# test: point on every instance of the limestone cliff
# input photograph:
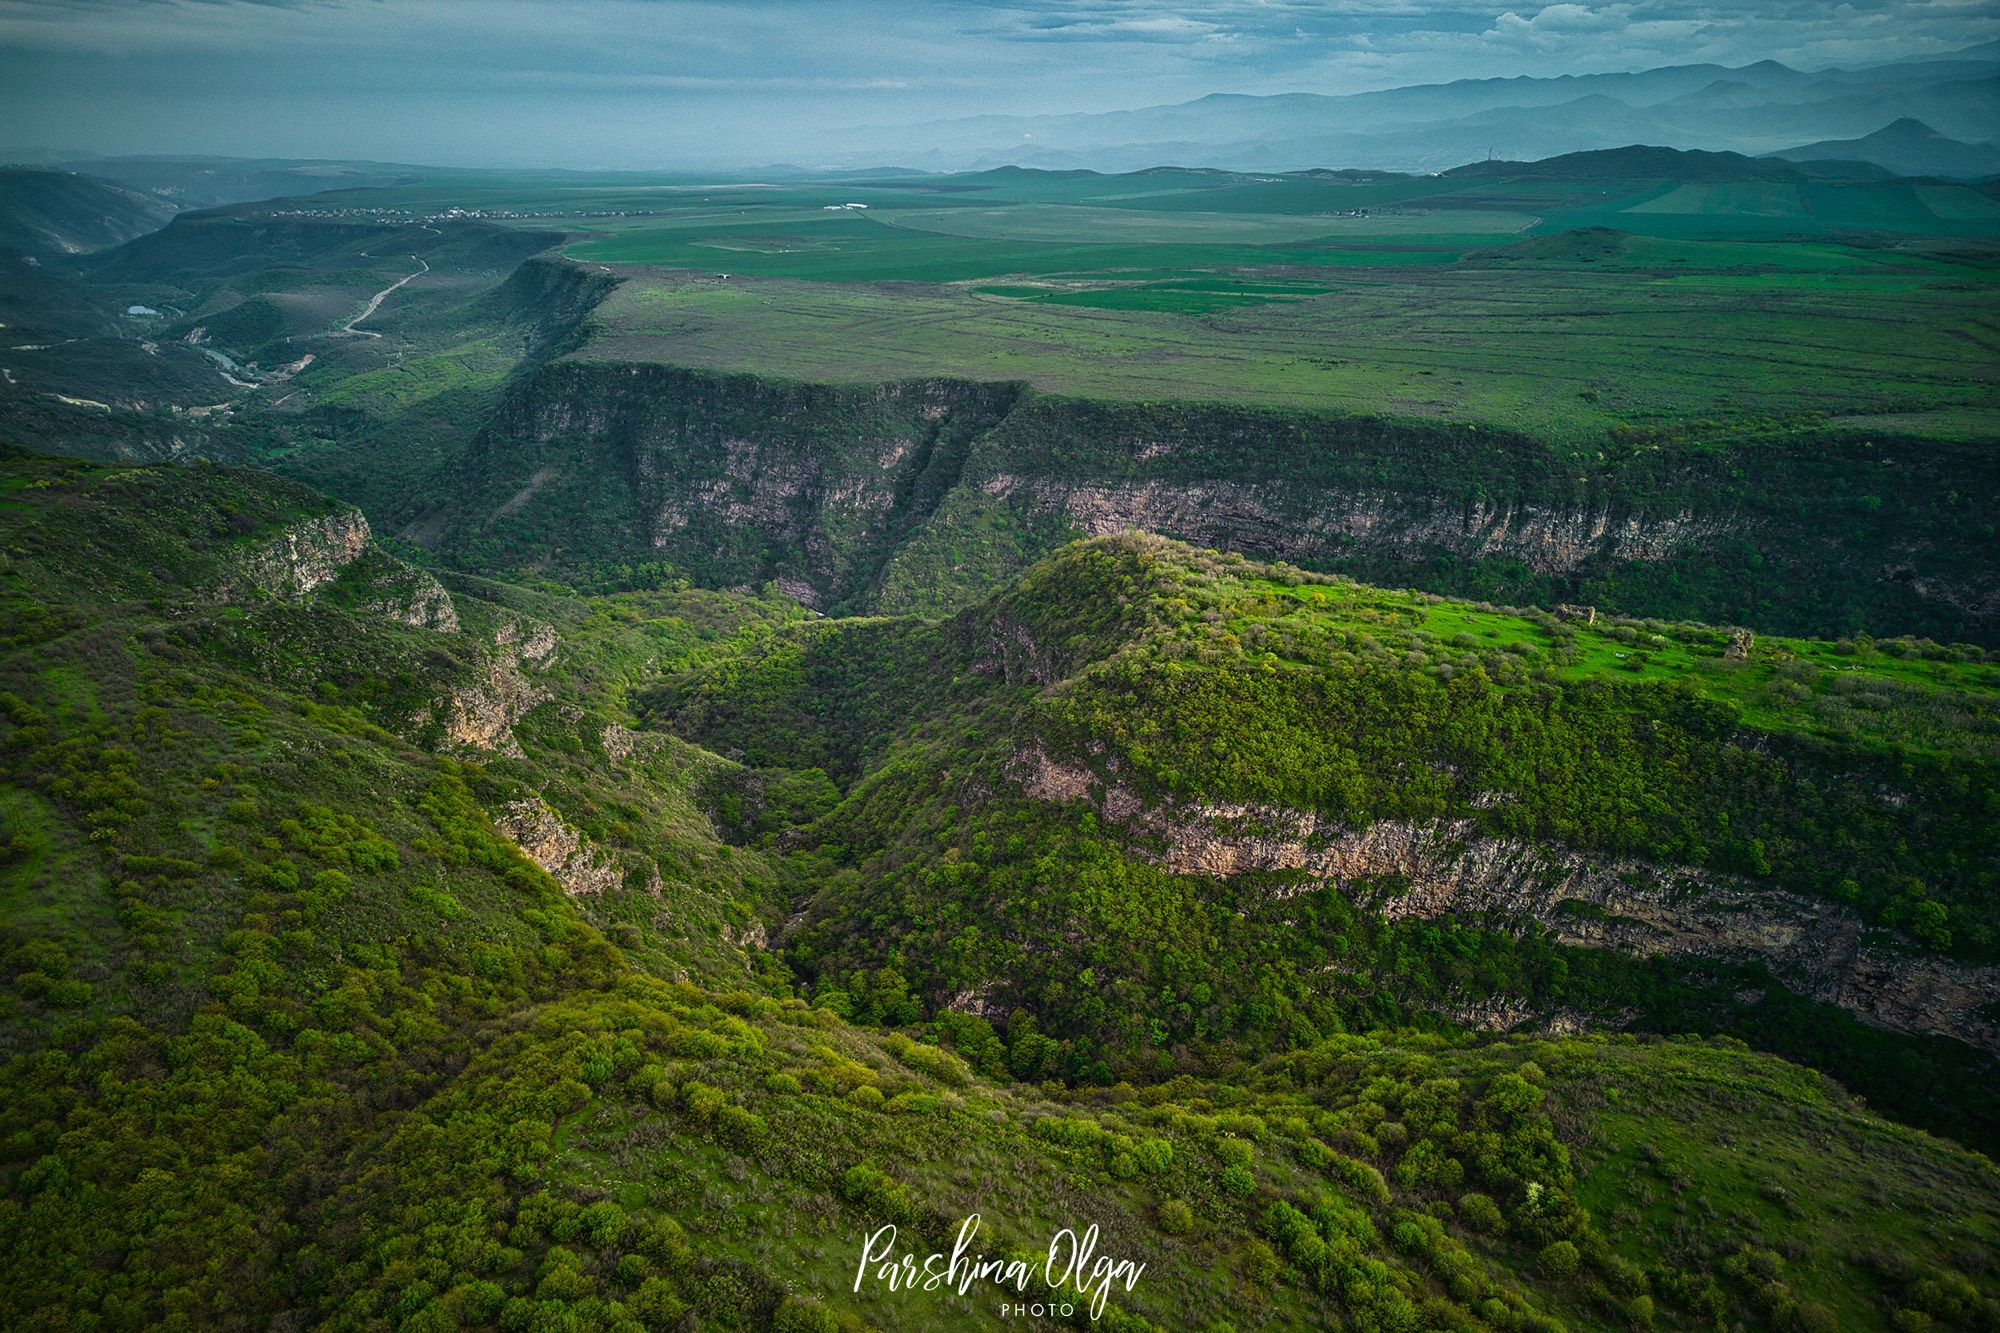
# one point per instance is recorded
(481, 714)
(923, 495)
(1274, 519)
(1448, 868)
(736, 481)
(333, 555)
(557, 848)
(306, 556)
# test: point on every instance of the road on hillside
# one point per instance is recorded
(375, 303)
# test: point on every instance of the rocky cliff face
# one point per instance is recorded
(481, 715)
(923, 495)
(733, 480)
(311, 555)
(1448, 868)
(306, 556)
(1276, 519)
(410, 596)
(559, 849)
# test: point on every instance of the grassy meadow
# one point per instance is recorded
(1565, 355)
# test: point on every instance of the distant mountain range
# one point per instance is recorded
(49, 213)
(1756, 109)
(210, 182)
(1930, 117)
(1909, 148)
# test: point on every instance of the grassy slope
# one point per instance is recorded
(1185, 680)
(295, 1036)
(1565, 357)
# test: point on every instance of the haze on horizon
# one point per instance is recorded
(662, 83)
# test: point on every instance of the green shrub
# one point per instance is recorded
(741, 1128)
(800, 1315)
(656, 1305)
(878, 1192)
(1625, 1278)
(1362, 1178)
(1559, 1259)
(1175, 1217)
(1235, 1152)
(1481, 1214)
(1259, 1264)
(939, 1064)
(703, 1102)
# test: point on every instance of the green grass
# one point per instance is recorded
(1565, 357)
(852, 249)
(480, 365)
(616, 201)
(1917, 697)
(1074, 224)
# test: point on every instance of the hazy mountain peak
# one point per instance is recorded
(1907, 146)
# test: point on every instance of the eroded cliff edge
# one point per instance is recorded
(919, 496)
(1434, 869)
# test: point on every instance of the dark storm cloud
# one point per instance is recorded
(646, 81)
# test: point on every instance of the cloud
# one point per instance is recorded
(451, 78)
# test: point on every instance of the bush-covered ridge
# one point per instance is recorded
(1193, 682)
(296, 1035)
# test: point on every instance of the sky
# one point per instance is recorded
(639, 83)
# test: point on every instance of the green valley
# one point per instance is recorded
(1420, 751)
(489, 1034)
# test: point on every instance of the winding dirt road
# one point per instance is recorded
(375, 303)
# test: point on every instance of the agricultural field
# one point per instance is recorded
(1562, 354)
(1423, 750)
(1562, 305)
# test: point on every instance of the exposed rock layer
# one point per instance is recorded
(1273, 519)
(1449, 868)
(557, 848)
(306, 556)
(923, 495)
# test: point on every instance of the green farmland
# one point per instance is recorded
(1566, 355)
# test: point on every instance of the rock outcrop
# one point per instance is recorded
(481, 715)
(731, 480)
(557, 848)
(1449, 868)
(921, 495)
(306, 556)
(410, 596)
(1275, 519)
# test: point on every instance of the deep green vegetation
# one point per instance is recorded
(296, 1032)
(539, 919)
(1168, 683)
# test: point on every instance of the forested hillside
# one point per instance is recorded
(597, 752)
(389, 948)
